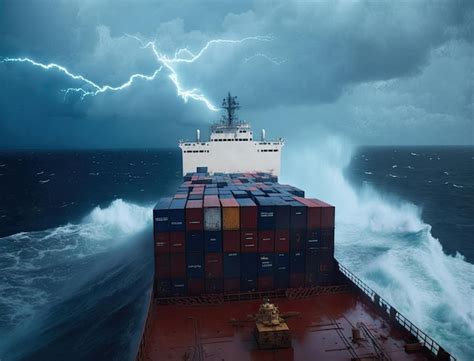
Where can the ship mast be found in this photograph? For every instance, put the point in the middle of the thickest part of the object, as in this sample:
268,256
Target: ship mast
230,104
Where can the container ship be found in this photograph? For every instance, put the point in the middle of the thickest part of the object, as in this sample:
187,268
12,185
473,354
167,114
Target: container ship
245,267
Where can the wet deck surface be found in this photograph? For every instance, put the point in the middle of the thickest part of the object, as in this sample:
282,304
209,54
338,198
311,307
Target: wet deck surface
321,329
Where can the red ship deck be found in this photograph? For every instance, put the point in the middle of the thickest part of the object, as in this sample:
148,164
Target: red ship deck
321,329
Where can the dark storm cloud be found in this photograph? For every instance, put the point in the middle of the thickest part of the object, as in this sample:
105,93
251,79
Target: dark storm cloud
330,58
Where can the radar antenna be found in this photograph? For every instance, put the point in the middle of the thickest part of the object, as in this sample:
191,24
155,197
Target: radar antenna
230,104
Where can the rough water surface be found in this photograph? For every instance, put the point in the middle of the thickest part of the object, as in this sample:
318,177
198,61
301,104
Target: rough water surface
76,258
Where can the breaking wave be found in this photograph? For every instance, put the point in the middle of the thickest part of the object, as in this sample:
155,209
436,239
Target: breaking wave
78,265
384,241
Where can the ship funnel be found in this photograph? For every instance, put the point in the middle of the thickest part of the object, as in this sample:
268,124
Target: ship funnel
263,134
198,135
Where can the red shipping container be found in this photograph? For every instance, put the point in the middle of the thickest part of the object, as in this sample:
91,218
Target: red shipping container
177,265
162,266
248,217
213,265
231,240
266,241
195,286
265,283
282,241
248,242
162,242
194,215
327,213
297,280
180,196
177,242
232,285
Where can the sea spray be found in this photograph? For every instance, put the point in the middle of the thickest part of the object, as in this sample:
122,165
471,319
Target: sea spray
384,240
52,277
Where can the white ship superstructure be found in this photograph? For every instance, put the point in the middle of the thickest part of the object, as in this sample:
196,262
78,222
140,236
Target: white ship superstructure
232,148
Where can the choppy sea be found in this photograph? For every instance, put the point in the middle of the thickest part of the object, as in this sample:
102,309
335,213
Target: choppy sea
76,257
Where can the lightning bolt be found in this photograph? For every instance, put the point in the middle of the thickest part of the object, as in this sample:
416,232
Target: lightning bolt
183,55
274,61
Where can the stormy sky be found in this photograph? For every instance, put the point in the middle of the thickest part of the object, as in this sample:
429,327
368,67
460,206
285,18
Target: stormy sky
375,72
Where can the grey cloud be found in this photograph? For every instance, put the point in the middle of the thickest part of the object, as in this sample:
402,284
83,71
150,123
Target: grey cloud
334,56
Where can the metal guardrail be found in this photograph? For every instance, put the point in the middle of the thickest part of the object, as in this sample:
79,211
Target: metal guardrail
398,318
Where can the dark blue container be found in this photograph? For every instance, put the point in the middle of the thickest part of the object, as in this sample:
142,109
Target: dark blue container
266,213
257,193
313,258
211,192
232,265
313,238
265,264
248,284
161,215
176,215
282,262
296,191
178,287
297,215
195,265
248,265
282,213
194,241
213,241
201,169
281,280
297,262
240,194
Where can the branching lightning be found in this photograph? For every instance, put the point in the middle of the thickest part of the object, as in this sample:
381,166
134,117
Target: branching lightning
183,55
274,61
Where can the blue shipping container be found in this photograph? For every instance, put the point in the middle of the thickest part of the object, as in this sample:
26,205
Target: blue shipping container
194,241
248,264
265,264
297,215
282,261
212,241
281,280
297,262
176,215
266,213
248,284
160,215
232,265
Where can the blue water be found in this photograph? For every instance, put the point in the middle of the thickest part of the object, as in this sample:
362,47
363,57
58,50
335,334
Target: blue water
76,258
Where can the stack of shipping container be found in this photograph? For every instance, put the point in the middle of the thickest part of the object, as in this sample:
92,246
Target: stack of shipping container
233,233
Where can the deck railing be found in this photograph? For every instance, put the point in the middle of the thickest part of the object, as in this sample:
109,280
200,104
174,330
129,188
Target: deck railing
397,317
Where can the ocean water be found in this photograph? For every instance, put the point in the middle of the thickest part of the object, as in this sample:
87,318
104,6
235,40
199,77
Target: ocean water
76,259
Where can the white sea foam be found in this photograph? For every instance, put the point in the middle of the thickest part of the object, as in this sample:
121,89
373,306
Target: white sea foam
384,240
34,264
